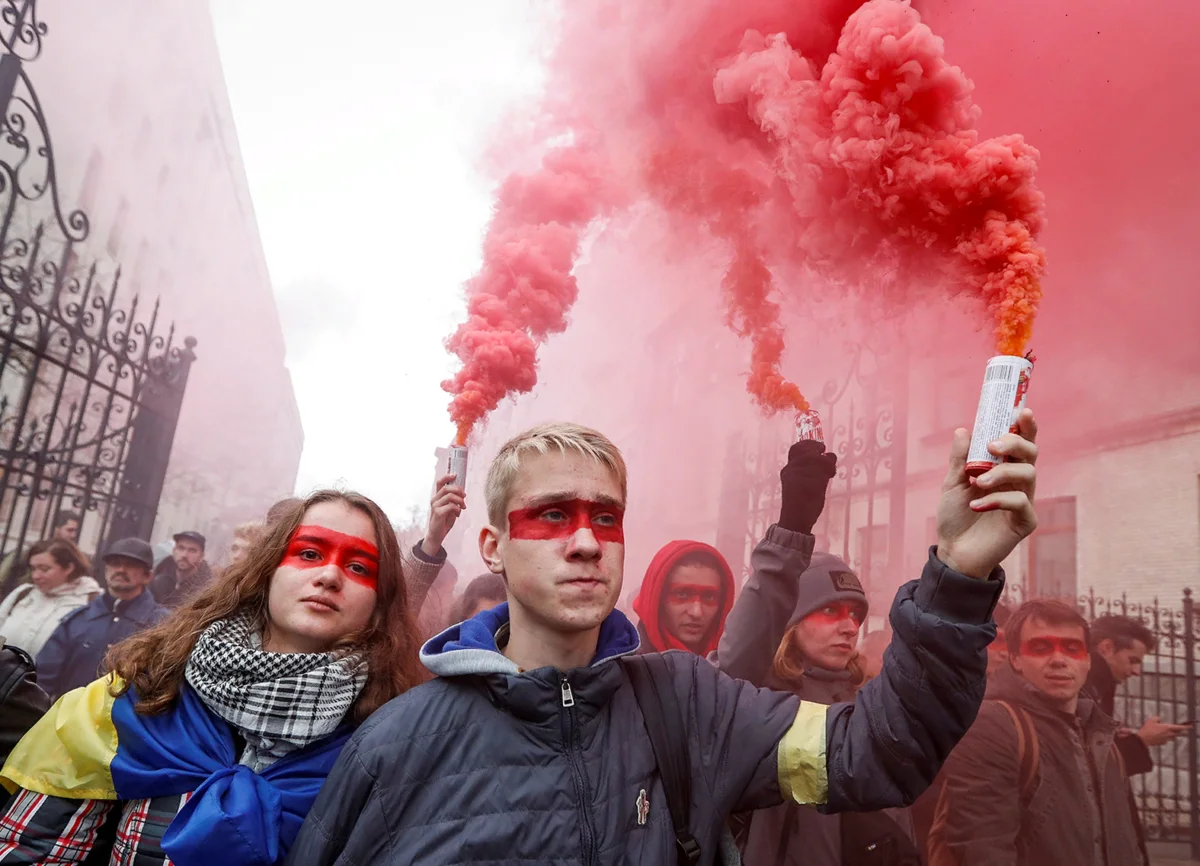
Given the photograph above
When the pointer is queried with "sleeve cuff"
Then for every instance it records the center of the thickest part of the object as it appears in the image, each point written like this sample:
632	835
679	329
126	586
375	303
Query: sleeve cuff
949	595
417	552
801	542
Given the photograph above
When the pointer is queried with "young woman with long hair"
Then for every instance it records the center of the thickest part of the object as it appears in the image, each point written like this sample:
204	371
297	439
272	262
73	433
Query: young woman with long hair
211	736
61	583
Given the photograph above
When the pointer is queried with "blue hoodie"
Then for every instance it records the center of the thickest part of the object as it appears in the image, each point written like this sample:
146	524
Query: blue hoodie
470	647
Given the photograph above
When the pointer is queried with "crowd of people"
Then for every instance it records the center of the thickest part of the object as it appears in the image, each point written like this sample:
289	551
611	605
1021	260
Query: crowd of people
297	705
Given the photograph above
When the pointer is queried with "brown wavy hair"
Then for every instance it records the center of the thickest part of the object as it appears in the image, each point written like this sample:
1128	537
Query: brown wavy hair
788	666
66	554
152	663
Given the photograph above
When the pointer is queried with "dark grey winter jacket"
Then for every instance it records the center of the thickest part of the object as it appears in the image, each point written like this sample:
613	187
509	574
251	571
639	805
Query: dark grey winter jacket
490	764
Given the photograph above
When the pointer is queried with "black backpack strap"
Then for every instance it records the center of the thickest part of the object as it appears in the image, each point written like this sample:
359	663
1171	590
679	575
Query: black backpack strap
663	717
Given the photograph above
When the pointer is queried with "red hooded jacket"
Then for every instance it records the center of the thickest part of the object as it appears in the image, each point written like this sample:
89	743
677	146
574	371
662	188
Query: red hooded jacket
649	599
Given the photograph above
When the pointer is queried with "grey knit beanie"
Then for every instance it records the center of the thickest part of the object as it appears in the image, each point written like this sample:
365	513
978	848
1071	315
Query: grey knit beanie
827	579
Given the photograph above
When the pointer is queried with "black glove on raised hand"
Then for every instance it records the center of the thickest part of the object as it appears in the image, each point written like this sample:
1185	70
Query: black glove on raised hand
805	480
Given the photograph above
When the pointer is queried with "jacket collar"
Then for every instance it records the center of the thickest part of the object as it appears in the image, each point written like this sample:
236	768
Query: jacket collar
83	586
1007	685
139	609
470	649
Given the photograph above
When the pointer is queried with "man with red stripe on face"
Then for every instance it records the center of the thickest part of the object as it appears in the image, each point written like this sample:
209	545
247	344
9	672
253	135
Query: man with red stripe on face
1038	779
684	599
530	745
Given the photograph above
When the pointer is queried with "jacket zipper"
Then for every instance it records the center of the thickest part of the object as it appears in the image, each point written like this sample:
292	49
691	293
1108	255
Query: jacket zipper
575	759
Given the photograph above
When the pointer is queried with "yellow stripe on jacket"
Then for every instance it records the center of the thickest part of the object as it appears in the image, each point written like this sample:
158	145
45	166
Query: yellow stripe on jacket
69	751
802	774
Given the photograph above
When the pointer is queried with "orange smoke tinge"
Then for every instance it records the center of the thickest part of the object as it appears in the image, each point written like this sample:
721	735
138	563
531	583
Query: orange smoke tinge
882	150
752	313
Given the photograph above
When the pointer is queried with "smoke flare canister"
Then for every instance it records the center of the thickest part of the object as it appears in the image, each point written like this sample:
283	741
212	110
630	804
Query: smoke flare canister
456	465
808	426
1005	384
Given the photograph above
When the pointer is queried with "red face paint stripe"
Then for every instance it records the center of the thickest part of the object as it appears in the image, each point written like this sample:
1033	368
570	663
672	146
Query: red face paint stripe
559	520
1040	647
318	546
686	593
837	613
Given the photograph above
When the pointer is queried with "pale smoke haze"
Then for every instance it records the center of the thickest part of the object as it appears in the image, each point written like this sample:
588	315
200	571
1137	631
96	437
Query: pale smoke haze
363	130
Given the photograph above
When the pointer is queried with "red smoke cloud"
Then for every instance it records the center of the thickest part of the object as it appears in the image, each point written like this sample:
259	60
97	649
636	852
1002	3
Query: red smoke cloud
858	162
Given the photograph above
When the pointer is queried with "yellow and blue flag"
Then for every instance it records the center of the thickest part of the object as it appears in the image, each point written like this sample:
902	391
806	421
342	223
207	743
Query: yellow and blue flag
92	746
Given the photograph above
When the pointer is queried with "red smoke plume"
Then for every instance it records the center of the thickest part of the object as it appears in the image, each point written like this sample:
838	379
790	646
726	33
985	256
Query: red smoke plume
792	158
525	288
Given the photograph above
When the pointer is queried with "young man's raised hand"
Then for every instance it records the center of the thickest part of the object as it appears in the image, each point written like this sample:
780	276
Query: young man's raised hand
980	521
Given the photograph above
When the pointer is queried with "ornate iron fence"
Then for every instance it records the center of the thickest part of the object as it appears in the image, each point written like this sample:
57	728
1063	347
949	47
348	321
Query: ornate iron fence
91	382
1168	796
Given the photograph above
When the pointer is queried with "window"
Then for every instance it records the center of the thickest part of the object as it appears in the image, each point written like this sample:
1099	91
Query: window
1052	550
872	554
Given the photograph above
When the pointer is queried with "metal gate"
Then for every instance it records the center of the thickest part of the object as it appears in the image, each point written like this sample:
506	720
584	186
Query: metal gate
865	418
91	382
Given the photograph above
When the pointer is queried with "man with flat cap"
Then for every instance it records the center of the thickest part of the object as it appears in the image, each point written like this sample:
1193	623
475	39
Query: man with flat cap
72	656
182	574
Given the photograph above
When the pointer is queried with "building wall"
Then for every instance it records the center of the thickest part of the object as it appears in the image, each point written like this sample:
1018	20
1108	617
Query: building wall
145	141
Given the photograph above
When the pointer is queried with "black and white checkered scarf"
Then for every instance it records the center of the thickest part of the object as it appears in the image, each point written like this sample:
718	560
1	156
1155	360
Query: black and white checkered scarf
279	702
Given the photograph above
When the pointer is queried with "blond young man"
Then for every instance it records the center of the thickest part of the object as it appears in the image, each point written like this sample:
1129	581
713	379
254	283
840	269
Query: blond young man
529	745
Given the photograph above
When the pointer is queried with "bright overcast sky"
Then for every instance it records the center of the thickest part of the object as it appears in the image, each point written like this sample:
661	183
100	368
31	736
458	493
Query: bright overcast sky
361	124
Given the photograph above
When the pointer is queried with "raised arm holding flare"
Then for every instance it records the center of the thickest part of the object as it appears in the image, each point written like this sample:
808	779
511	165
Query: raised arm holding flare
530	746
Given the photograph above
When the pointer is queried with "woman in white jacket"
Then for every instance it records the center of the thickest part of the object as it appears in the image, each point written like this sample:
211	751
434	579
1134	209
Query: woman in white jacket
60	584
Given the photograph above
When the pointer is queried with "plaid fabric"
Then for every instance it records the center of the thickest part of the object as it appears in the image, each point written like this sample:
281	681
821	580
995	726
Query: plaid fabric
38	828
279	702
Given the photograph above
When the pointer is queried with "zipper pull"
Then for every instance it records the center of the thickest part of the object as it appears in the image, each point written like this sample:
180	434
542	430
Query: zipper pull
567	698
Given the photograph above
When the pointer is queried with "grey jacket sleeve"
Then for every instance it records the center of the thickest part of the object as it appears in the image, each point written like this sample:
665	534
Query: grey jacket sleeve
885	749
420	572
734	731
759	617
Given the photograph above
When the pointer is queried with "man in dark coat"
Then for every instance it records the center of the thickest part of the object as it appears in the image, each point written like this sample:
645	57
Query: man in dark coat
1119	644
1038	780
530	745
182	574
72	656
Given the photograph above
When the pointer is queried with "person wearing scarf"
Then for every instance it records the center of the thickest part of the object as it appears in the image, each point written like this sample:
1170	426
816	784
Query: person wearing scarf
60	584
212	733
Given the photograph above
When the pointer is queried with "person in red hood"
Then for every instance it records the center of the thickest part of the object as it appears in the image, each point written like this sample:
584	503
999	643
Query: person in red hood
686	595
